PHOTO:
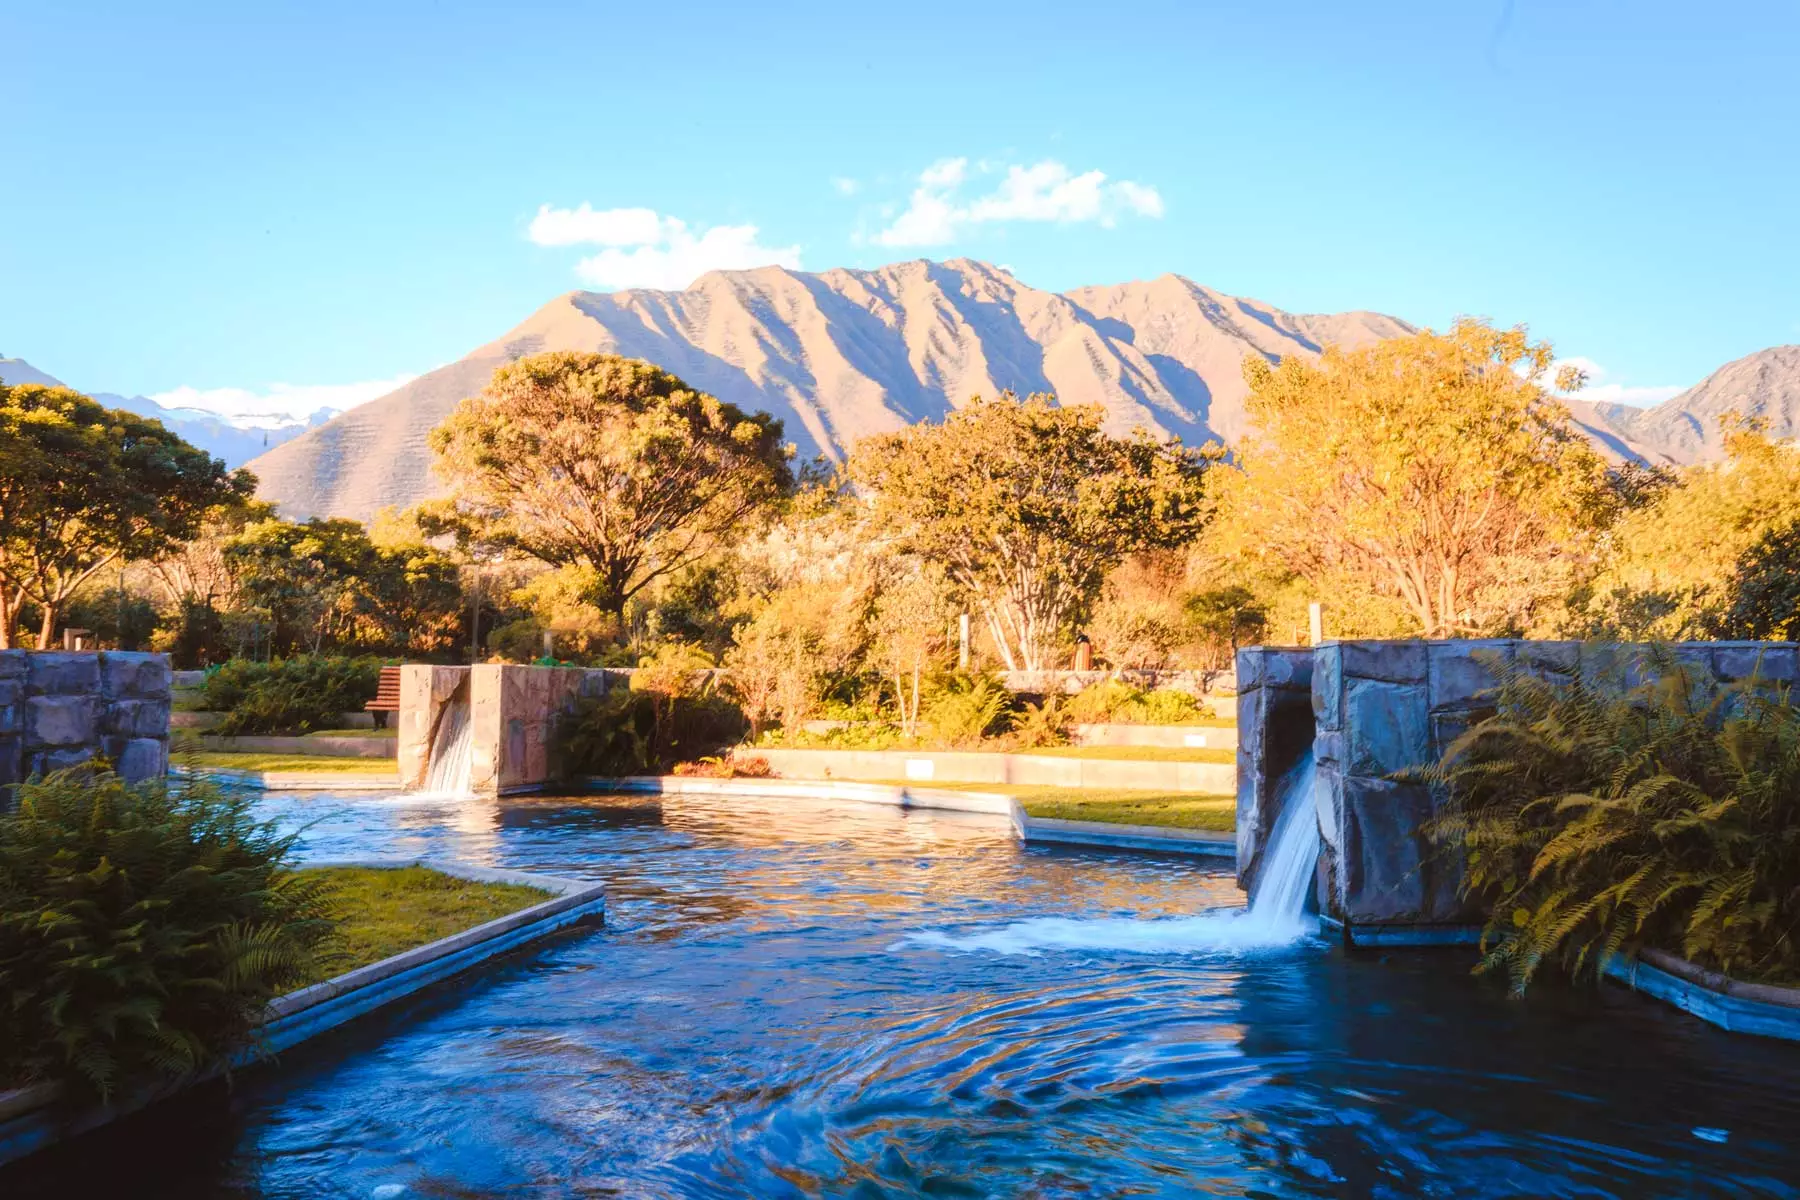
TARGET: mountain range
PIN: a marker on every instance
(842, 354)
(237, 440)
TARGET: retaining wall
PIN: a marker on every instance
(982, 767)
(61, 709)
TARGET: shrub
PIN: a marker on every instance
(634, 732)
(1597, 818)
(1114, 701)
(736, 766)
(143, 929)
(294, 695)
(964, 709)
(1045, 724)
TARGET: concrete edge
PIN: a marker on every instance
(1202, 842)
(1735, 1013)
(28, 1122)
(1027, 829)
(295, 781)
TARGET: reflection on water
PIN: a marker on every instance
(797, 999)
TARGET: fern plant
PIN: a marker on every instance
(143, 930)
(1596, 816)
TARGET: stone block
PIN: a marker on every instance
(61, 758)
(1548, 659)
(1328, 685)
(14, 664)
(61, 720)
(1461, 671)
(1382, 873)
(12, 717)
(132, 674)
(142, 758)
(1391, 661)
(12, 762)
(1774, 662)
(1250, 660)
(137, 718)
(1385, 727)
(63, 673)
(1328, 746)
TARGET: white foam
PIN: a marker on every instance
(1276, 915)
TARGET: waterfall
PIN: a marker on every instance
(452, 752)
(1291, 856)
(1276, 917)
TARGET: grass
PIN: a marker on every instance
(1210, 754)
(1175, 810)
(234, 761)
(388, 911)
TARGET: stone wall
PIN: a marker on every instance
(1379, 707)
(60, 709)
(424, 693)
(1275, 731)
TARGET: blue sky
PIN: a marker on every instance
(234, 197)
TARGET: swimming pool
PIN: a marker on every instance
(794, 998)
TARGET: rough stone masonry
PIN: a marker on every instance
(61, 709)
(1374, 708)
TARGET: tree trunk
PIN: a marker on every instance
(9, 619)
(47, 627)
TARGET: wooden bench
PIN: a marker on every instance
(387, 696)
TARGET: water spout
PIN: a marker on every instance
(1291, 857)
(452, 767)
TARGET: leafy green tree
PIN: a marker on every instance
(1680, 565)
(82, 486)
(1432, 468)
(909, 629)
(1026, 506)
(1765, 590)
(324, 584)
(607, 463)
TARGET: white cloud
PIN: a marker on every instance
(845, 186)
(609, 227)
(1597, 391)
(938, 212)
(278, 403)
(645, 249)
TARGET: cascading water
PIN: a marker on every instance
(1276, 916)
(452, 752)
(1278, 902)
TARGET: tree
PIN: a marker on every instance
(81, 486)
(1764, 590)
(1707, 554)
(326, 584)
(1027, 506)
(910, 631)
(609, 463)
(1433, 468)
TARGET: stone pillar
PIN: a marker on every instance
(1275, 731)
(518, 713)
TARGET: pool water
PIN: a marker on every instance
(794, 998)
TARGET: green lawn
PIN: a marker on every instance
(1179, 810)
(232, 761)
(1209, 754)
(386, 912)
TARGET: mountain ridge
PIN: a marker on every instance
(845, 353)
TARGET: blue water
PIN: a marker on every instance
(799, 999)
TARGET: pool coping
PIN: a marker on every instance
(297, 781)
(1762, 1009)
(1026, 828)
(29, 1121)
